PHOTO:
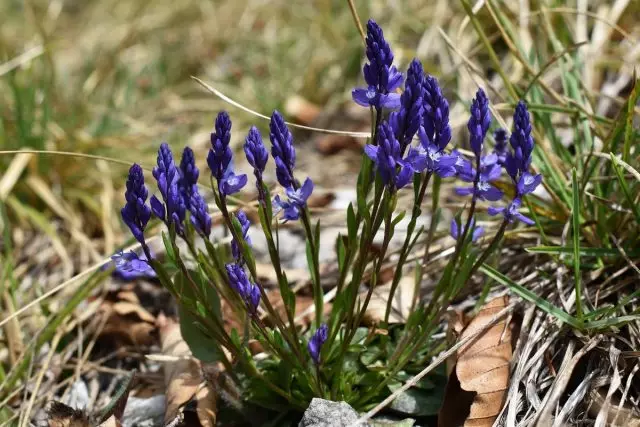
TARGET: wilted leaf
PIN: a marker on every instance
(400, 308)
(183, 377)
(61, 415)
(303, 110)
(482, 368)
(127, 323)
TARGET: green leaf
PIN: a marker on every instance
(202, 346)
(575, 217)
(352, 226)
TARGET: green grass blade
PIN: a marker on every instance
(575, 221)
(527, 295)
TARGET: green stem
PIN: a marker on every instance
(405, 247)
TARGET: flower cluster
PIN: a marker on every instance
(381, 76)
(173, 210)
(487, 170)
(257, 155)
(395, 171)
(408, 119)
(284, 155)
(249, 292)
(517, 163)
(220, 158)
(188, 184)
(136, 213)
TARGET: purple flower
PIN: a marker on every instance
(521, 141)
(297, 199)
(500, 149)
(220, 158)
(316, 342)
(484, 190)
(232, 183)
(455, 230)
(130, 266)
(430, 157)
(244, 224)
(511, 213)
(407, 120)
(381, 76)
(436, 114)
(189, 171)
(195, 203)
(136, 213)
(200, 217)
(173, 210)
(479, 122)
(387, 155)
(282, 149)
(257, 154)
(249, 292)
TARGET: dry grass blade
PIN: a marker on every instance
(13, 172)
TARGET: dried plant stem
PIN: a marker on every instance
(356, 18)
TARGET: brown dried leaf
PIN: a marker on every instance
(400, 308)
(127, 322)
(332, 144)
(61, 415)
(483, 364)
(303, 110)
(183, 377)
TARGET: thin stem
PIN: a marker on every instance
(317, 292)
(405, 247)
(356, 18)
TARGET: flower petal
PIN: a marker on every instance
(360, 97)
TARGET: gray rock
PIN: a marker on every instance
(325, 413)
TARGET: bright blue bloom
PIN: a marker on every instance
(406, 121)
(430, 157)
(282, 149)
(173, 210)
(257, 154)
(245, 224)
(528, 183)
(484, 189)
(130, 266)
(436, 114)
(220, 158)
(395, 171)
(500, 149)
(511, 213)
(136, 213)
(297, 199)
(455, 230)
(249, 292)
(479, 122)
(381, 76)
(316, 342)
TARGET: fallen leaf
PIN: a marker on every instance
(303, 110)
(127, 323)
(482, 368)
(400, 307)
(61, 415)
(183, 377)
(333, 143)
